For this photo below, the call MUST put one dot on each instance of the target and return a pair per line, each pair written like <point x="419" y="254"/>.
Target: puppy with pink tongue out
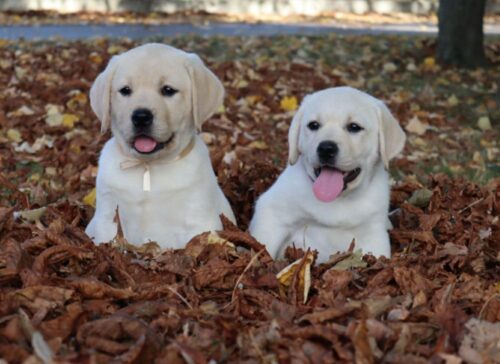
<point x="336" y="185"/>
<point x="156" y="169"/>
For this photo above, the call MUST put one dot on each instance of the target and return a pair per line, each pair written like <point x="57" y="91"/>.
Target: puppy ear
<point x="391" y="137"/>
<point x="100" y="95"/>
<point x="207" y="92"/>
<point x="293" y="138"/>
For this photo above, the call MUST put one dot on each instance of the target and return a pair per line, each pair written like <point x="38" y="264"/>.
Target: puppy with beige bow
<point x="336" y="186"/>
<point x="155" y="168"/>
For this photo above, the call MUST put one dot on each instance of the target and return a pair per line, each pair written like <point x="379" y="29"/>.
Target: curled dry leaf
<point x="297" y="276"/>
<point x="125" y="338"/>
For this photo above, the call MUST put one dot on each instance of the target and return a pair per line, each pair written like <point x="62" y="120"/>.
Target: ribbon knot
<point x="146" y="177"/>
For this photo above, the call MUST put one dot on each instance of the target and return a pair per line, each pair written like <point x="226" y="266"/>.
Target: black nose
<point x="327" y="151"/>
<point x="142" y="118"/>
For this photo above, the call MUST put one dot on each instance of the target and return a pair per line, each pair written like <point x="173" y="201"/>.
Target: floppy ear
<point x="207" y="92"/>
<point x="293" y="138"/>
<point x="100" y="95"/>
<point x="391" y="137"/>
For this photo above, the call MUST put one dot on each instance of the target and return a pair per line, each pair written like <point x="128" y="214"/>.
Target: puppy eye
<point x="313" y="125"/>
<point x="168" y="91"/>
<point x="354" y="128"/>
<point x="125" y="91"/>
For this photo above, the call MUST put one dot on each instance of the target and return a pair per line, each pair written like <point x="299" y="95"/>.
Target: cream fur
<point x="185" y="198"/>
<point x="290" y="213"/>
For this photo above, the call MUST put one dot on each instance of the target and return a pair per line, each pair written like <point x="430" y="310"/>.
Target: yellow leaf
<point x="214" y="238"/>
<point x="478" y="158"/>
<point x="285" y="276"/>
<point x="22" y="111"/>
<point x="289" y="103"/>
<point x="221" y="110"/>
<point x="30" y="215"/>
<point x="390" y="67"/>
<point x="20" y="72"/>
<point x="241" y="84"/>
<point x="14" y="135"/>
<point x="89" y="199"/>
<point x="258" y="144"/>
<point x="114" y="49"/>
<point x="50" y="171"/>
<point x="78" y="99"/>
<point x="430" y="62"/>
<point x="452" y="100"/>
<point x="484" y="123"/>
<point x="75" y="148"/>
<point x="355" y="260"/>
<point x="419" y="142"/>
<point x="95" y="57"/>
<point x="53" y="117"/>
<point x="253" y="99"/>
<point x="69" y="120"/>
<point x="35" y="177"/>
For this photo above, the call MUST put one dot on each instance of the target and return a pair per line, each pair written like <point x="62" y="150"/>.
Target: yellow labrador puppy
<point x="336" y="187"/>
<point x="156" y="169"/>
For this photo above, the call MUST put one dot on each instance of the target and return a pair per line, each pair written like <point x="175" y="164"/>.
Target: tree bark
<point x="460" y="38"/>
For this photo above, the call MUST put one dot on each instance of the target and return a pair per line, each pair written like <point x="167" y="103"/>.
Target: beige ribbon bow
<point x="146" y="178"/>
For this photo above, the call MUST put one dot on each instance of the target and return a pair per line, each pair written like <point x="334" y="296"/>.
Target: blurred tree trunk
<point x="460" y="38"/>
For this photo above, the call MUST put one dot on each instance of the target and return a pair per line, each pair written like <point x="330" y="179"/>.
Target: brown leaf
<point x="362" y="350"/>
<point x="91" y="288"/>
<point x="328" y="314"/>
<point x="128" y="339"/>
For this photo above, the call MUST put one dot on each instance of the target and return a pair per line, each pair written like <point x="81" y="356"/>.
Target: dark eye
<point x="354" y="128"/>
<point x="168" y="91"/>
<point x="125" y="91"/>
<point x="313" y="125"/>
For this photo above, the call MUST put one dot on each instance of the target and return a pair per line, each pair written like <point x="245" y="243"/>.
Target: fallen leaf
<point x="415" y="126"/>
<point x="285" y="276"/>
<point x="354" y="260"/>
<point x="69" y="120"/>
<point x="30" y="215"/>
<point x="420" y="198"/>
<point x="14" y="135"/>
<point x="90" y="198"/>
<point x="53" y="116"/>
<point x="484" y="123"/>
<point x="289" y="103"/>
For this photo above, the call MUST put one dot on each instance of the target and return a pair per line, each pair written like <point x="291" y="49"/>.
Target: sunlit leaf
<point x="289" y="103"/>
<point x="285" y="276"/>
<point x="484" y="123"/>
<point x="90" y="198"/>
<point x="14" y="135"/>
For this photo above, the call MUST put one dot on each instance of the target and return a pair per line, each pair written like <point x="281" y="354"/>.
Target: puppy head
<point x="342" y="133"/>
<point x="154" y="97"/>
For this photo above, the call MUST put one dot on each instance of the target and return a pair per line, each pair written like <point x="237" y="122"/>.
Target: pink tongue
<point x="144" y="144"/>
<point x="328" y="185"/>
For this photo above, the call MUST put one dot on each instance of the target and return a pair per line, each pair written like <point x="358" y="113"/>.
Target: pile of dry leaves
<point x="62" y="299"/>
<point x="67" y="300"/>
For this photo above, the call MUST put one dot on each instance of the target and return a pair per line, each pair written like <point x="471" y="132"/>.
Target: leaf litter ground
<point x="66" y="300"/>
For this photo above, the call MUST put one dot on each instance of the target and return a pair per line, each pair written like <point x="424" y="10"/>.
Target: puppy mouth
<point x="331" y="182"/>
<point x="145" y="144"/>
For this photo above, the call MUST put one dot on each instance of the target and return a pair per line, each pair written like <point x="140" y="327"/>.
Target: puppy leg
<point x="102" y="227"/>
<point x="268" y="228"/>
<point x="376" y="241"/>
